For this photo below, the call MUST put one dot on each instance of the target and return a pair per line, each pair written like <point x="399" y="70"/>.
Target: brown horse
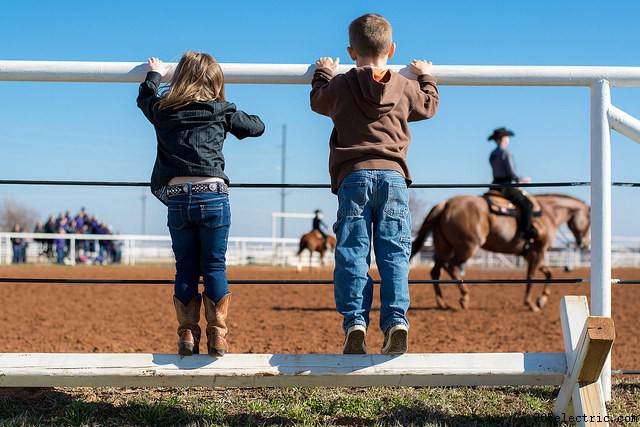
<point x="314" y="242"/>
<point x="461" y="225"/>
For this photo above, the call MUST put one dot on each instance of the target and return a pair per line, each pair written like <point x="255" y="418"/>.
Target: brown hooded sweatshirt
<point x="370" y="118"/>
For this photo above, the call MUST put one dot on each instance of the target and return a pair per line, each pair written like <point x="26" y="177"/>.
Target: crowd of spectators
<point x="90" y="251"/>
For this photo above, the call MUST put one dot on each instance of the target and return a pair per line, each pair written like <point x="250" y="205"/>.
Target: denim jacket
<point x="190" y="138"/>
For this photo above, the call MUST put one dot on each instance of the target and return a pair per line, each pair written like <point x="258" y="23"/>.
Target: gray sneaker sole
<point x="397" y="343"/>
<point x="354" y="343"/>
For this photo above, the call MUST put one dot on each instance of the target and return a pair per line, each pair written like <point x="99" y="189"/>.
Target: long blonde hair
<point x="197" y="77"/>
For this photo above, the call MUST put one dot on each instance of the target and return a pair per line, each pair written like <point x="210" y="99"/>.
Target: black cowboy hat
<point x="499" y="133"/>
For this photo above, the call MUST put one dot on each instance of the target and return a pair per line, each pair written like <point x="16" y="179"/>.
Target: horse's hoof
<point x="542" y="301"/>
<point x="464" y="303"/>
<point x="534" y="309"/>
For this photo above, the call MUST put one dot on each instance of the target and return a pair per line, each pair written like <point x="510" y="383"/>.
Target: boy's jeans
<point x="372" y="204"/>
<point x="199" y="227"/>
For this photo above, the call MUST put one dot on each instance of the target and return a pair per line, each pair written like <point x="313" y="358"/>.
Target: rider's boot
<point x="530" y="234"/>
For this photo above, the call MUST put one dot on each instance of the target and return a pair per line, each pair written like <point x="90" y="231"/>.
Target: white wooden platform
<point x="577" y="370"/>
<point x="280" y="370"/>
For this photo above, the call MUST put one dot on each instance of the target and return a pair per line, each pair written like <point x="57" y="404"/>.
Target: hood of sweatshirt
<point x="374" y="98"/>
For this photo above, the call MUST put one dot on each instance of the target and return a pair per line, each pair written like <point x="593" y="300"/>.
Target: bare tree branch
<point x="14" y="212"/>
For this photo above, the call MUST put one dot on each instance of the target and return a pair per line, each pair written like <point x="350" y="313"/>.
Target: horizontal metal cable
<point x="76" y="183"/>
<point x="276" y="185"/>
<point x="625" y="282"/>
<point x="274" y="282"/>
<point x="625" y="371"/>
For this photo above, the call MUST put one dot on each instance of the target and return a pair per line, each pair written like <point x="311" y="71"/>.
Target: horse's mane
<point x="566" y="196"/>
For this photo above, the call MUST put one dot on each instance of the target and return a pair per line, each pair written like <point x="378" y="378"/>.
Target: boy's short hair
<point x="370" y="35"/>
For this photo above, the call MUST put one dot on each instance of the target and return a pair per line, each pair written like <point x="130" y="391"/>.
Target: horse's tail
<point x="303" y="245"/>
<point x="426" y="227"/>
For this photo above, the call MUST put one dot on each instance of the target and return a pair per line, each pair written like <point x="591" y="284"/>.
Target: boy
<point x="370" y="107"/>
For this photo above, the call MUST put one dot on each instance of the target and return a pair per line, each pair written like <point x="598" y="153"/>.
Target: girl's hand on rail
<point x="154" y="64"/>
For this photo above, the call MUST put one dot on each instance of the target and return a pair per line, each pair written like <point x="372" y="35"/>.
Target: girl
<point x="191" y="119"/>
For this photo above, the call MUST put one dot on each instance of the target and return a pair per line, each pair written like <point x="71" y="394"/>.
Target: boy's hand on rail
<point x="327" y="62"/>
<point x="154" y="64"/>
<point x="420" y="67"/>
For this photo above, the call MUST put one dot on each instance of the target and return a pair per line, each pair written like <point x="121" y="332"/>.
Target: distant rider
<point x="319" y="225"/>
<point x="504" y="172"/>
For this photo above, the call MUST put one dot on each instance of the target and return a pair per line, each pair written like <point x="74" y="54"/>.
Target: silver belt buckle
<point x="213" y="186"/>
<point x="185" y="188"/>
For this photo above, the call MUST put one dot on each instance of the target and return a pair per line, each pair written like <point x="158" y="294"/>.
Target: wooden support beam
<point x="581" y="394"/>
<point x="280" y="370"/>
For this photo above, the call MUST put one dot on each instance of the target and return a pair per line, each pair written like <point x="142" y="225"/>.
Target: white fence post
<point x="72" y="250"/>
<point x="601" y="212"/>
<point x="9" y="250"/>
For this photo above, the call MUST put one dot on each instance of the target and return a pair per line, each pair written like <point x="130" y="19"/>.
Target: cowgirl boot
<point x="188" y="328"/>
<point x="216" y="314"/>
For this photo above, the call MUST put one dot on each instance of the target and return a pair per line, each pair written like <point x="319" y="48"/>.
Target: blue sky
<point x="80" y="131"/>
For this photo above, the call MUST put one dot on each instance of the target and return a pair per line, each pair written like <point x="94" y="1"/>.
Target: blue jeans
<point x="372" y="204"/>
<point x="18" y="254"/>
<point x="199" y="227"/>
<point x="60" y="254"/>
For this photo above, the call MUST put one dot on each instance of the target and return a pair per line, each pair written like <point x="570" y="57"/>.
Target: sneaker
<point x="395" y="340"/>
<point x="354" y="341"/>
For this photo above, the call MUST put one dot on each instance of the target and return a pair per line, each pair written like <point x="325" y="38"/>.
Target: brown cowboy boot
<point x="188" y="328"/>
<point x="216" y="314"/>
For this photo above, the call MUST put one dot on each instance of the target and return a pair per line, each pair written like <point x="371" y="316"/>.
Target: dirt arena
<point x="289" y="318"/>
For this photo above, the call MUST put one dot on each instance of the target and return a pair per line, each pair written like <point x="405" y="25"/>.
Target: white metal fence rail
<point x="143" y="249"/>
<point x="147" y="249"/>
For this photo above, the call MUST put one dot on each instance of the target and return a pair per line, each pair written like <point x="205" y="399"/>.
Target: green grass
<point x="400" y="406"/>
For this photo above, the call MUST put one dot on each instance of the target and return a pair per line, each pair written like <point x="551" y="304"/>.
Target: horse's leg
<point x="322" y="256"/>
<point x="534" y="260"/>
<point x="453" y="268"/>
<point x="435" y="275"/>
<point x="301" y="249"/>
<point x="542" y="299"/>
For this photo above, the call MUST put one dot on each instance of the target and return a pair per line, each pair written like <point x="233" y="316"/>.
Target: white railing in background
<point x="603" y="117"/>
<point x="146" y="249"/>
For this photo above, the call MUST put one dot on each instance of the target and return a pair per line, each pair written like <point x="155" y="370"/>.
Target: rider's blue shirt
<point x="504" y="169"/>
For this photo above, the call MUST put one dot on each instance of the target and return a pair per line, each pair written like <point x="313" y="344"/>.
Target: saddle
<point x="499" y="205"/>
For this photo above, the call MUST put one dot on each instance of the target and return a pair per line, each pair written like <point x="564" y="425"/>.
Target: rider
<point x="319" y="225"/>
<point x="504" y="171"/>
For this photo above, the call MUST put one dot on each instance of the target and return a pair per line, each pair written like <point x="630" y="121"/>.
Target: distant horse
<point x="463" y="224"/>
<point x="314" y="242"/>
